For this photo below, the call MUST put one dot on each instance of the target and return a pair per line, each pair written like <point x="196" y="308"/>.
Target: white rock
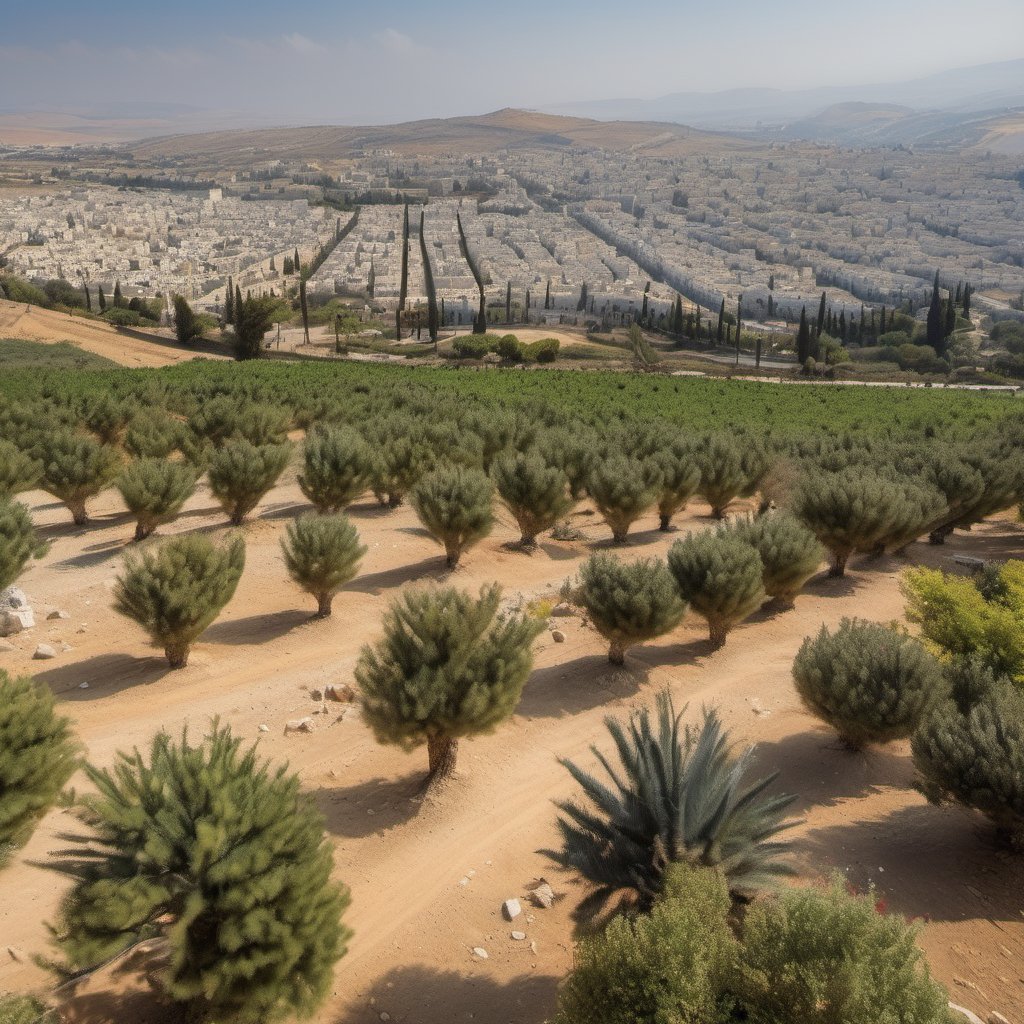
<point x="385" y="1015"/>
<point x="83" y="686"/>
<point x="511" y="908"/>
<point x="519" y="936"/>
<point x="59" y="614"/>
<point x="972" y="1017"/>
<point x="544" y="895"/>
<point x="14" y="620"/>
<point x="480" y="952"/>
<point x="44" y="652"/>
<point x="299" y="725"/>
<point x="13" y="597"/>
<point x="264" y="727"/>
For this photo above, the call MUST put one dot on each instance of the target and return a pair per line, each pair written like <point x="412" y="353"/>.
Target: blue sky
<point x="386" y="61"/>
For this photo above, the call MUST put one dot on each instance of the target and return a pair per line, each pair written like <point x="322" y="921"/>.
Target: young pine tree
<point x="18" y="541"/>
<point x="241" y="473"/>
<point x="37" y="757"/>
<point x="107" y="418"/>
<point x="629" y="603"/>
<point x="322" y="553"/>
<point x="535" y="493"/>
<point x="623" y="489"/>
<point x="337" y="468"/>
<point x="680" y="479"/>
<point x="154" y="491"/>
<point x="447" y="666"/>
<point x="18" y="471"/>
<point x="454" y="505"/>
<point x="152" y="435"/>
<point x="720" y="576"/>
<point x="730" y="469"/>
<point x="76" y="468"/>
<point x="870" y="683"/>
<point x="790" y="553"/>
<point x="224" y="859"/>
<point x="177" y="590"/>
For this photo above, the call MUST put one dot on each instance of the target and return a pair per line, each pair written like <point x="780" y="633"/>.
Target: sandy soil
<point x="33" y="323"/>
<point x="428" y="876"/>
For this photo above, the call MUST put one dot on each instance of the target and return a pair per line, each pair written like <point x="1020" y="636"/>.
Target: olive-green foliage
<point x="623" y="489"/>
<point x="152" y="435"/>
<point x="720" y="576"/>
<point x="18" y="471"/>
<point x="107" y="418"/>
<point x="730" y="468"/>
<point x="177" y="590"/>
<point x="252" y="322"/>
<point x="824" y="956"/>
<point x="629" y="602"/>
<point x="680" y="795"/>
<point x="959" y="621"/>
<point x="970" y="749"/>
<point x="401" y="459"/>
<point x="154" y="491"/>
<point x="572" y="449"/>
<point x="680" y="471"/>
<point x="76" y="468"/>
<point x="455" y="506"/>
<point x="790" y="553"/>
<point x="870" y="683"/>
<point x="223" y="858"/>
<point x="337" y="468"/>
<point x="38" y="755"/>
<point x="448" y="665"/>
<point x="849" y="511"/>
<point x="18" y="541"/>
<point x="25" y="1010"/>
<point x="535" y="492"/>
<point x="671" y="966"/>
<point x="322" y="553"/>
<point x="242" y="472"/>
<point x="223" y="419"/>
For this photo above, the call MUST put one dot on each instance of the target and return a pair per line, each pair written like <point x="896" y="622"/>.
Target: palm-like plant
<point x="680" y="795"/>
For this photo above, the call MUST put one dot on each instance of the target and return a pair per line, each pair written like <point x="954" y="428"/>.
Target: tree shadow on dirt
<point x="257" y="629"/>
<point x="105" y="674"/>
<point x="284" y="510"/>
<point x="580" y="685"/>
<point x="96" y="554"/>
<point x="138" y="1006"/>
<point x="414" y="994"/>
<point x="372" y="806"/>
<point x="633" y="540"/>
<point x="824" y="585"/>
<point x="432" y="568"/>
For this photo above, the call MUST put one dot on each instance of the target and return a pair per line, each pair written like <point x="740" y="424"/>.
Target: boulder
<point x="543" y="895"/>
<point x="558" y="636"/>
<point x="299" y="725"/>
<point x="59" y="614"/>
<point x="15" y="612"/>
<point x="511" y="909"/>
<point x="563" y="610"/>
<point x="44" y="652"/>
<point x="343" y="694"/>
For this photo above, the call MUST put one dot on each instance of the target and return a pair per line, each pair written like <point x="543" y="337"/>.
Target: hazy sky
<point x="331" y="61"/>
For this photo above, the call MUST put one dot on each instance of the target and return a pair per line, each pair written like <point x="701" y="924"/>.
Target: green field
<point x="698" y="404"/>
<point x="61" y="355"/>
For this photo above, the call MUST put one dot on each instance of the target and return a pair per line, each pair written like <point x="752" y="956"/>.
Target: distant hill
<point x="503" y="129"/>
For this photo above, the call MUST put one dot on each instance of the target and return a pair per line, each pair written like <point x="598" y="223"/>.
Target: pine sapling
<point x="322" y="553"/>
<point x="241" y="473"/>
<point x="535" y="493"/>
<point x="155" y="491"/>
<point x="76" y="468"/>
<point x="455" y="506"/>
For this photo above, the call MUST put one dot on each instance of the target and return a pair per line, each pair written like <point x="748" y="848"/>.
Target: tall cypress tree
<point x="547" y="295"/>
<point x="304" y="309"/>
<point x="950" y="317"/>
<point x="803" y="338"/>
<point x="88" y="297"/>
<point x="229" y="303"/>
<point x="508" y="302"/>
<point x="643" y="308"/>
<point x="118" y="297"/>
<point x="295" y="261"/>
<point x="238" y="306"/>
<point x="739" y="324"/>
<point x="968" y="292"/>
<point x="821" y="313"/>
<point x="721" y="323"/>
<point x="936" y="336"/>
<point x="101" y="298"/>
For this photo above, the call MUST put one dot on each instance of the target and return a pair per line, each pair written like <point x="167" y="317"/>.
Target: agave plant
<point x="680" y="795"/>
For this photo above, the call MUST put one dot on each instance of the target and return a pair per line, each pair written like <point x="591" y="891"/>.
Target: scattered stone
<point x="385" y="1015"/>
<point x="511" y="909"/>
<point x="562" y="610"/>
<point x="59" y="614"/>
<point x="964" y="1012"/>
<point x="44" y="652"/>
<point x="15" y="612"/>
<point x="480" y="952"/>
<point x="6" y="647"/>
<point x="464" y="880"/>
<point x="83" y="686"/>
<point x="316" y="695"/>
<point x="519" y="936"/>
<point x="997" y="1018"/>
<point x="758" y="708"/>
<point x="299" y="725"/>
<point x="558" y="636"/>
<point x="15" y="954"/>
<point x="533" y="946"/>
<point x="343" y="694"/>
<point x="970" y="562"/>
<point x="544" y="895"/>
<point x="264" y="727"/>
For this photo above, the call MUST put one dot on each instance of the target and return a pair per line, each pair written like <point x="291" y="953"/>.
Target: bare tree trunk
<point x="142" y="531"/>
<point x="617" y="653"/>
<point x="665" y="521"/>
<point x="452" y="553"/>
<point x="177" y="654"/>
<point x="442" y="752"/>
<point x="77" y="508"/>
<point x="717" y="632"/>
<point x="324" y="602"/>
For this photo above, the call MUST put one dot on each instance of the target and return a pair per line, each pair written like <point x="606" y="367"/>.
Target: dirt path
<point x="428" y="877"/>
<point x="33" y="323"/>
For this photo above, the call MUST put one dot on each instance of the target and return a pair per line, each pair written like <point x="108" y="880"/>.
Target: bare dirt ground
<point x="428" y="876"/>
<point x="33" y="323"/>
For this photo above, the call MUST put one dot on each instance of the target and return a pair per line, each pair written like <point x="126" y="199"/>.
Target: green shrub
<point x="152" y="435"/>
<point x="790" y="554"/>
<point x="18" y="541"/>
<point x="629" y="603"/>
<point x="623" y="489"/>
<point x="454" y="505"/>
<point x="870" y="683"/>
<point x="720" y="576"/>
<point x="730" y="468"/>
<point x="16" y="1009"/>
<point x="18" y="471"/>
<point x="471" y="346"/>
<point x="38" y="755"/>
<point x="535" y="493"/>
<point x="76" y="468"/>
<point x="241" y="473"/>
<point x="680" y="479"/>
<point x="322" y="553"/>
<point x="448" y="666"/>
<point x="107" y="418"/>
<point x="824" y="956"/>
<point x="154" y="491"/>
<point x="223" y="859"/>
<point x="337" y="468"/>
<point x="177" y="590"/>
<point x="543" y="351"/>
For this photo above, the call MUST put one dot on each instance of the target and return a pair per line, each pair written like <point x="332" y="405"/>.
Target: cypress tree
<point x="935" y="335"/>
<point x="88" y="297"/>
<point x="155" y="490"/>
<point x="296" y="261"/>
<point x="305" y="311"/>
<point x="222" y="858"/>
<point x="968" y="292"/>
<point x="448" y="666"/>
<point x="177" y="590"/>
<point x="38" y="754"/>
<point x="644" y="307"/>
<point x="186" y="325"/>
<point x="242" y="472"/>
<point x="547" y="295"/>
<point x="821" y="314"/>
<point x="322" y="553"/>
<point x="229" y="303"/>
<point x="628" y="603"/>
<point x="535" y="493"/>
<point x="720" y="336"/>
<point x="118" y="298"/>
<point x="454" y="505"/>
<point x="101" y="298"/>
<point x="949" y="324"/>
<point x="238" y="309"/>
<point x="803" y="338"/>
<point x="508" y="302"/>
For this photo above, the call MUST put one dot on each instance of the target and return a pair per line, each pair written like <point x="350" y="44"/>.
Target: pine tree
<point x="680" y="471"/>
<point x="790" y="553"/>
<point x="76" y="468"/>
<point x="155" y="490"/>
<point x="88" y="298"/>
<point x="38" y="754"/>
<point x="229" y="303"/>
<point x="870" y="683"/>
<point x="623" y="489"/>
<point x="337" y="468"/>
<point x="628" y="603"/>
<point x="152" y="434"/>
<point x="803" y="339"/>
<point x="454" y="505"/>
<point x="18" y="471"/>
<point x="118" y="298"/>
<point x="186" y="325"/>
<point x="322" y="553"/>
<point x="681" y="795"/>
<point x="106" y="417"/>
<point x="720" y="576"/>
<point x="535" y="493"/>
<point x="178" y="589"/>
<point x="401" y="460"/>
<point x="448" y="666"/>
<point x="730" y="468"/>
<point x="304" y="309"/>
<point x="222" y="858"/>
<point x="935" y="334"/>
<point x="242" y="472"/>
<point x="101" y="299"/>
